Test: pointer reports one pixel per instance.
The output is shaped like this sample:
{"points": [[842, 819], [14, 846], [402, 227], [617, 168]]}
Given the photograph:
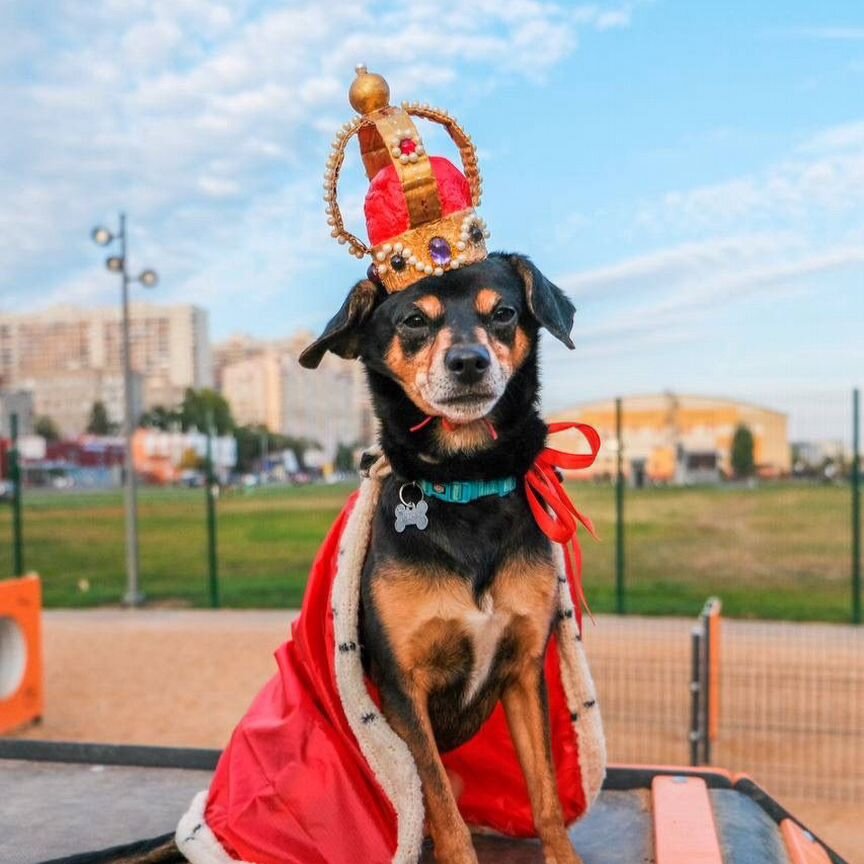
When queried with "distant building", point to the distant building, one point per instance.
{"points": [[669, 438], [329, 405], [253, 386], [164, 457], [84, 347], [19, 402], [810, 456], [90, 462], [240, 346], [265, 385], [67, 397]]}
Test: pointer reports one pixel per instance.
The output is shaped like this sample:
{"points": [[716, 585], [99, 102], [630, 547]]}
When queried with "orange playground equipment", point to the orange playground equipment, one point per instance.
{"points": [[21, 672]]}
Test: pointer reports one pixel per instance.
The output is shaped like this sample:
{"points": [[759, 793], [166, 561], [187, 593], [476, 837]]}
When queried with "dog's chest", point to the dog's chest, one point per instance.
{"points": [[484, 627], [441, 633]]}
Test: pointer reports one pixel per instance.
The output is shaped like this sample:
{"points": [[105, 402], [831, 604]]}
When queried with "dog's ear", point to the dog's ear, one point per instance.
{"points": [[342, 334], [547, 302]]}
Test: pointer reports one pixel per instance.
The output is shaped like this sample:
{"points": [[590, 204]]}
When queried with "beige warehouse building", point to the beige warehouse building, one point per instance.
{"points": [[670, 438]]}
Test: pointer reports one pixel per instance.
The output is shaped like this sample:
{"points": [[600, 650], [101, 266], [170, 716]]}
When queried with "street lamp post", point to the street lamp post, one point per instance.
{"points": [[147, 278]]}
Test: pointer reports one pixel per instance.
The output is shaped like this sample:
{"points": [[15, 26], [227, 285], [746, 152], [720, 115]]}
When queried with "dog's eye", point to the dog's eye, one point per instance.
{"points": [[504, 315], [414, 322]]}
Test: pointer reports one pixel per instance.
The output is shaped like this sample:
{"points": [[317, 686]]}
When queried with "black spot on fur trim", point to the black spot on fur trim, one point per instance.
{"points": [[564, 613], [590, 704], [192, 834], [368, 718], [574, 716], [344, 647]]}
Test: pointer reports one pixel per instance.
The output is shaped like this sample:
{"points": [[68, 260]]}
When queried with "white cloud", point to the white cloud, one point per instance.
{"points": [[687, 261], [837, 138], [669, 294], [178, 107], [812, 202], [825, 177]]}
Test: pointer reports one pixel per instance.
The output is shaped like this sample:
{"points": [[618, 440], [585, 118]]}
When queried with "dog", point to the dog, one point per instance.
{"points": [[457, 609]]}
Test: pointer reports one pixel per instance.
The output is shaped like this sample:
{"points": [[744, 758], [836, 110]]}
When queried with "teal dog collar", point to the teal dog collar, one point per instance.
{"points": [[465, 491]]}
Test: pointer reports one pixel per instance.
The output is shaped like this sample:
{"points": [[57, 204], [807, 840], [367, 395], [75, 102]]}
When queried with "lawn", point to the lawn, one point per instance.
{"points": [[776, 551]]}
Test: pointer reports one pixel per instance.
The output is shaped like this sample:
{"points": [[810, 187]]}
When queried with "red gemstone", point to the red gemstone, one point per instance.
{"points": [[407, 146]]}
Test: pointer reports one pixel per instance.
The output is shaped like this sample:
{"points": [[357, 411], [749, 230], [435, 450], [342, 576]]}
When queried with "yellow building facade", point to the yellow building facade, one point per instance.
{"points": [[669, 438]]}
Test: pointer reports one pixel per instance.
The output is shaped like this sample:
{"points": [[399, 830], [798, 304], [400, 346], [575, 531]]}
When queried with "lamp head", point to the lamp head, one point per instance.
{"points": [[102, 236], [148, 278]]}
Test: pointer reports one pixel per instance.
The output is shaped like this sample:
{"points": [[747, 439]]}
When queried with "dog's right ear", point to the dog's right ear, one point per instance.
{"points": [[342, 334]]}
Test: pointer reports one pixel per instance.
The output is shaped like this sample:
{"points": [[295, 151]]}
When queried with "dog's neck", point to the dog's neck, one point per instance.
{"points": [[465, 452]]}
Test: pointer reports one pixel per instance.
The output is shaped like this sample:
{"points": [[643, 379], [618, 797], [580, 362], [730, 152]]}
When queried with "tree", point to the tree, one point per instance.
{"points": [[99, 424], [300, 446], [47, 428], [251, 441], [199, 405], [160, 417], [742, 459], [344, 460]]}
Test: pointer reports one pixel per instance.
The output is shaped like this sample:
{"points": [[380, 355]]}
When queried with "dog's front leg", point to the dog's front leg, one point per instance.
{"points": [[528, 718], [407, 712]]}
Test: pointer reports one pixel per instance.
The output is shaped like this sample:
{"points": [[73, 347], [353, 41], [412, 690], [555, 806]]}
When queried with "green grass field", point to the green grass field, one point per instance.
{"points": [[777, 551]]}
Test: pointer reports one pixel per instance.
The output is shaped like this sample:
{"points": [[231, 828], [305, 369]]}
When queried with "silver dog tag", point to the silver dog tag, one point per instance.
{"points": [[408, 513]]}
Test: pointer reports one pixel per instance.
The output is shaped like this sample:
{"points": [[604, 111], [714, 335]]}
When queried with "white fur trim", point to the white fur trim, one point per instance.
{"points": [[195, 839], [579, 688], [387, 754]]}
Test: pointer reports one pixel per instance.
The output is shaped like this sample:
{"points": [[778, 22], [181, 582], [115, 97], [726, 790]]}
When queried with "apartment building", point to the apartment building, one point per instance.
{"points": [[265, 384], [70, 357]]}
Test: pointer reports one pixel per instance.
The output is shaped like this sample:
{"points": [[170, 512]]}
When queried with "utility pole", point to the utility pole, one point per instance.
{"points": [[15, 477], [620, 604], [856, 506], [212, 490], [148, 278]]}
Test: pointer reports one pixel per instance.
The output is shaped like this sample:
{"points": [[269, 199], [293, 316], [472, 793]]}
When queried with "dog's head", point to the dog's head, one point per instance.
{"points": [[453, 343]]}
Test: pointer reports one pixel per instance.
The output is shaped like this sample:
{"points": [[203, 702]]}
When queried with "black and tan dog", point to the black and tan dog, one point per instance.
{"points": [[457, 617]]}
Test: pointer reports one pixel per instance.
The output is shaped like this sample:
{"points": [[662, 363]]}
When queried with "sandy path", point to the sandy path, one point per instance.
{"points": [[184, 677]]}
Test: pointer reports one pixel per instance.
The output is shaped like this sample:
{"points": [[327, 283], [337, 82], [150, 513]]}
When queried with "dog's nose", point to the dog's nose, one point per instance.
{"points": [[468, 363]]}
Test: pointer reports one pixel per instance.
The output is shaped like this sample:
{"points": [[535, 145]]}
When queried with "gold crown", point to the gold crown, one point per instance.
{"points": [[419, 209]]}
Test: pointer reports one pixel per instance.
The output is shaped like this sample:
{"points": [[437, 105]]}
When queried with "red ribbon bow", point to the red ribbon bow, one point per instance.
{"points": [[553, 510]]}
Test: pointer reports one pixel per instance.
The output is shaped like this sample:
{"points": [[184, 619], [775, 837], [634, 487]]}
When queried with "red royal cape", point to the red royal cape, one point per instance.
{"points": [[313, 773]]}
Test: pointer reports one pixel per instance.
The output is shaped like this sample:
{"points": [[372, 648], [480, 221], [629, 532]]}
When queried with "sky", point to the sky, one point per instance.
{"points": [[691, 174]]}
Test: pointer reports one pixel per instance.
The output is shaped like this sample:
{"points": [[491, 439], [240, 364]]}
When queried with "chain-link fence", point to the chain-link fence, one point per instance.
{"points": [[769, 528], [782, 702]]}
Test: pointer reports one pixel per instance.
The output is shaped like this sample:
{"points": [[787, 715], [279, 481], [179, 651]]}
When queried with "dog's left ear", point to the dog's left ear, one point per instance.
{"points": [[547, 302], [342, 334]]}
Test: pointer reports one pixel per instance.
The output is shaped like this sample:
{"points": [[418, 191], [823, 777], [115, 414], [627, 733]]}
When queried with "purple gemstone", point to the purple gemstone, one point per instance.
{"points": [[440, 251]]}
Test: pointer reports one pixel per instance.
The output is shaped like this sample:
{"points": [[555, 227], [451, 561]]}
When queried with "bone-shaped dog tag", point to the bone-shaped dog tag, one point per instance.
{"points": [[411, 514]]}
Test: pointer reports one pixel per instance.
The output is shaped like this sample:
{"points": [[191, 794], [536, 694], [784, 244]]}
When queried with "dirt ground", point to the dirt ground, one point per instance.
{"points": [[184, 678]]}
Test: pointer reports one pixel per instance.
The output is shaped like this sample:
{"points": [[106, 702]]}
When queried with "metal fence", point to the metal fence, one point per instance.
{"points": [[786, 699], [784, 545]]}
